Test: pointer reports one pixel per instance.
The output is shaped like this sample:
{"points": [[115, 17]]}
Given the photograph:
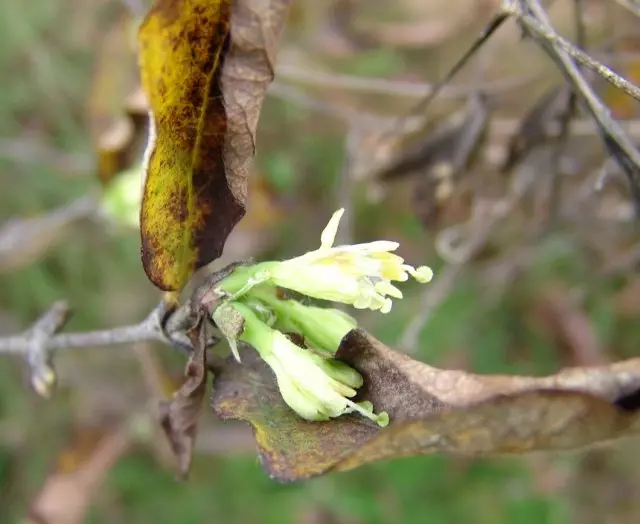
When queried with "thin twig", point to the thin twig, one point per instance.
{"points": [[395, 88], [494, 24], [24, 150], [22, 240], [555, 184], [299, 97], [498, 127], [631, 5], [533, 17], [429, 302], [66, 497], [17, 231], [148, 329], [479, 235], [544, 31], [38, 344]]}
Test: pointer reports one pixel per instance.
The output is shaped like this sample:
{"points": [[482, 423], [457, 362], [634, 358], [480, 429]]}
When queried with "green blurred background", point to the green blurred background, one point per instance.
{"points": [[67, 66]]}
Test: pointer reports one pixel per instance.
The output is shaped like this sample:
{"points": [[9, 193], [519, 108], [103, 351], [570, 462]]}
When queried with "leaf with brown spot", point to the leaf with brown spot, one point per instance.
{"points": [[205, 66], [432, 410]]}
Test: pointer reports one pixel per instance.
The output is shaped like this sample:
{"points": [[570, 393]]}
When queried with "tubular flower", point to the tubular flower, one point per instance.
{"points": [[316, 388], [359, 274]]}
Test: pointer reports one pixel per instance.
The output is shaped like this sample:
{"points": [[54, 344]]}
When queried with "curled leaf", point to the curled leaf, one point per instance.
{"points": [[179, 417], [446, 150], [541, 123], [440, 159], [187, 199], [205, 68], [431, 411]]}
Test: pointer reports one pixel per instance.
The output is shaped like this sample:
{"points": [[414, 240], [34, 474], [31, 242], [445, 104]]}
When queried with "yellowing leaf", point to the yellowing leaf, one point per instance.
{"points": [[188, 208], [432, 411], [205, 83]]}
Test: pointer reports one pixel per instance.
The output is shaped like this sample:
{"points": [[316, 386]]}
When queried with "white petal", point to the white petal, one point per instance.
{"points": [[386, 307], [329, 233], [377, 246], [385, 287]]}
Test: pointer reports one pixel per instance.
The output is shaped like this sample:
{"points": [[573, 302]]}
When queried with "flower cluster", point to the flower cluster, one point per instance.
{"points": [[311, 381]]}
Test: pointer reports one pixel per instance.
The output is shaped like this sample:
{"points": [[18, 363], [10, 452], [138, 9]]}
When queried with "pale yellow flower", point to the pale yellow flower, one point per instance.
{"points": [[316, 388], [359, 274]]}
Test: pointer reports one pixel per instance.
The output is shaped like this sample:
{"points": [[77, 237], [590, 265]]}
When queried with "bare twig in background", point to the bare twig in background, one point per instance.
{"points": [[493, 25], [29, 151], [572, 329], [632, 5], [533, 18], [543, 30], [498, 128], [383, 86], [429, 302], [24, 240], [478, 235], [297, 96], [555, 183], [65, 497]]}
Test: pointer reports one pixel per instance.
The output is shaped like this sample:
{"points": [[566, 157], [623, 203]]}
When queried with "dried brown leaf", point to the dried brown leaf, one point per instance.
{"points": [[431, 410], [445, 150], [439, 159], [541, 123], [179, 417]]}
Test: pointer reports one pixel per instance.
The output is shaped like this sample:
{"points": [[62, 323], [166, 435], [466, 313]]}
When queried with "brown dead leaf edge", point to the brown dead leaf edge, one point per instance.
{"points": [[179, 416], [431, 410]]}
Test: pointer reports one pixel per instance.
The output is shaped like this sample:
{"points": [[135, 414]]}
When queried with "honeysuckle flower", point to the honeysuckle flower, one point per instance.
{"points": [[359, 274], [316, 388]]}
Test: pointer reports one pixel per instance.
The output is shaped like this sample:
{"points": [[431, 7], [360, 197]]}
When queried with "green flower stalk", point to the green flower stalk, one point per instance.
{"points": [[316, 388], [322, 328]]}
